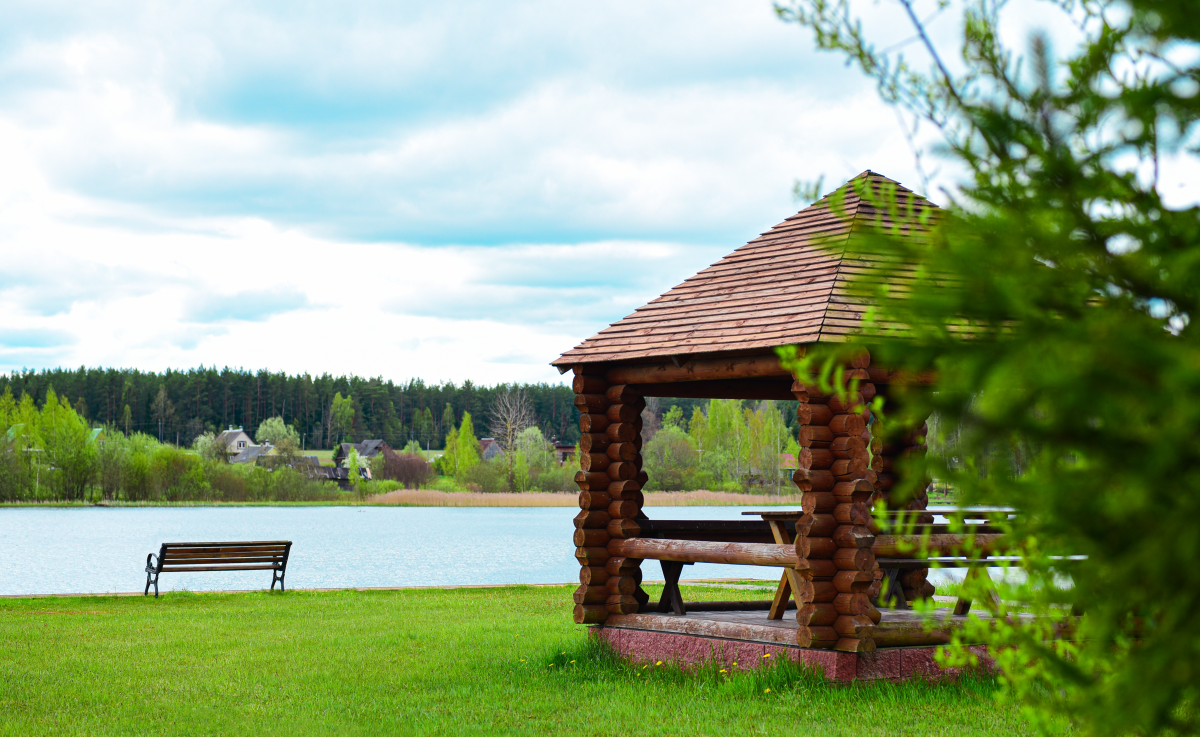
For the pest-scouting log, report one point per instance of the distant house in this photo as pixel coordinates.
(563, 451)
(490, 448)
(251, 453)
(96, 436)
(235, 441)
(366, 449)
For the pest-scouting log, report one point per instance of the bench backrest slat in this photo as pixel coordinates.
(232, 554)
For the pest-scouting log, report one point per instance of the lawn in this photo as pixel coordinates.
(427, 661)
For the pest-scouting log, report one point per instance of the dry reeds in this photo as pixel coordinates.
(431, 498)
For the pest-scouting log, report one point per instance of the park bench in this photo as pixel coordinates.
(228, 556)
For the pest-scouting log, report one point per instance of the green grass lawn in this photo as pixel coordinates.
(461, 661)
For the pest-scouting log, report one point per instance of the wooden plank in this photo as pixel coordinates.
(728, 389)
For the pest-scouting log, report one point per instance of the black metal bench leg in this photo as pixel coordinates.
(277, 576)
(147, 590)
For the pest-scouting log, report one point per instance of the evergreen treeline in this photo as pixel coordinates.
(177, 406)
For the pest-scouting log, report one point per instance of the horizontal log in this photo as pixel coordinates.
(889, 546)
(593, 442)
(858, 490)
(594, 500)
(622, 432)
(624, 412)
(850, 425)
(856, 604)
(818, 502)
(855, 645)
(592, 556)
(693, 551)
(815, 436)
(814, 414)
(698, 370)
(854, 513)
(853, 582)
(590, 594)
(593, 576)
(625, 508)
(854, 625)
(818, 637)
(853, 536)
(622, 566)
(624, 528)
(589, 538)
(622, 394)
(822, 525)
(621, 585)
(815, 480)
(594, 461)
(847, 447)
(815, 547)
(592, 403)
(770, 388)
(591, 518)
(854, 559)
(839, 405)
(914, 633)
(621, 605)
(814, 458)
(816, 615)
(626, 489)
(622, 452)
(849, 467)
(582, 384)
(622, 471)
(590, 613)
(823, 592)
(593, 422)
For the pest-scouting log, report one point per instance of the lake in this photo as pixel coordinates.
(103, 550)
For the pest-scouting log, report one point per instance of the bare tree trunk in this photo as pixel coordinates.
(510, 414)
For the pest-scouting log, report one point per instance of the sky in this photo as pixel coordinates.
(446, 191)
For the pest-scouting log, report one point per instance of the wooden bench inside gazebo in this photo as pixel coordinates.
(714, 336)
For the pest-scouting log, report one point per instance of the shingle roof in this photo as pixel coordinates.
(782, 288)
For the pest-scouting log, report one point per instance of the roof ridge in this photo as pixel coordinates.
(841, 257)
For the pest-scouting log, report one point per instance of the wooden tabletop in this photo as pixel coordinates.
(774, 514)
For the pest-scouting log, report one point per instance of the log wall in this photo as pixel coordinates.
(889, 460)
(836, 481)
(610, 481)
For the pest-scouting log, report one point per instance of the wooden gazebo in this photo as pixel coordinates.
(714, 336)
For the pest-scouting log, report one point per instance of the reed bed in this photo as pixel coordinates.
(432, 498)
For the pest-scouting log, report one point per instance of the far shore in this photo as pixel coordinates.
(434, 498)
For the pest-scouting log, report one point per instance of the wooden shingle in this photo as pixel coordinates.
(786, 287)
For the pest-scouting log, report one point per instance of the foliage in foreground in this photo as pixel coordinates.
(1054, 301)
(466, 661)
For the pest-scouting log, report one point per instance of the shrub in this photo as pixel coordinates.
(490, 477)
(409, 469)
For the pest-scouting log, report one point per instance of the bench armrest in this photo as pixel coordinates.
(151, 563)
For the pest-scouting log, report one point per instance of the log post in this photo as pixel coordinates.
(814, 478)
(835, 477)
(625, 481)
(591, 524)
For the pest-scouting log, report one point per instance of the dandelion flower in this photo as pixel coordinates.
(767, 690)
(724, 671)
(659, 663)
(735, 662)
(767, 655)
(572, 661)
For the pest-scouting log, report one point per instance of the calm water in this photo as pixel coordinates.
(51, 551)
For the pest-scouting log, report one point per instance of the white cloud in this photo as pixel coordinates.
(450, 192)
